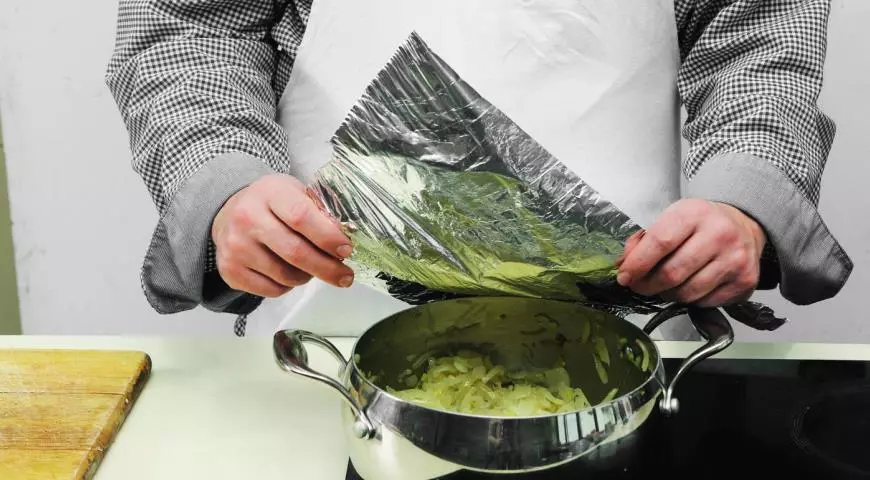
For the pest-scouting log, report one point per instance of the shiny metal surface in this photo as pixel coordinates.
(712, 325)
(290, 353)
(443, 195)
(599, 350)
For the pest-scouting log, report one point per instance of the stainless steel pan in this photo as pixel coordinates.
(392, 438)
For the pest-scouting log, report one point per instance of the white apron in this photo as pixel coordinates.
(593, 81)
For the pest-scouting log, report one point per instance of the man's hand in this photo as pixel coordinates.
(697, 252)
(270, 237)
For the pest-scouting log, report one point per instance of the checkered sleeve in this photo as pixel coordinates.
(750, 75)
(195, 83)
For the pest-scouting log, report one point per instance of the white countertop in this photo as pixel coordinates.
(220, 408)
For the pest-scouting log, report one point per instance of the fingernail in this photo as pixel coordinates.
(623, 278)
(345, 251)
(345, 282)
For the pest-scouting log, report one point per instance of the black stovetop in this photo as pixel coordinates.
(790, 419)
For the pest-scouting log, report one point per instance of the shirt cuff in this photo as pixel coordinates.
(174, 274)
(812, 264)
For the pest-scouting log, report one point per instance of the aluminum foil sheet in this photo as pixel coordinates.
(444, 196)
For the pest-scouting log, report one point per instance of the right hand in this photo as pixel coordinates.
(271, 237)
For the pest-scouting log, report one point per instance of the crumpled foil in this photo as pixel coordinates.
(445, 196)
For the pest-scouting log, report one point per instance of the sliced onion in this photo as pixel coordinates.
(470, 383)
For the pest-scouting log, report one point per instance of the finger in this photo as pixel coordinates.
(265, 262)
(692, 256)
(737, 290)
(629, 245)
(664, 237)
(736, 267)
(722, 296)
(298, 252)
(247, 280)
(706, 280)
(299, 213)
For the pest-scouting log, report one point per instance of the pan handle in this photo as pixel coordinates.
(290, 353)
(711, 324)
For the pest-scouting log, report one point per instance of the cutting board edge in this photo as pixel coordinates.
(113, 428)
(31, 348)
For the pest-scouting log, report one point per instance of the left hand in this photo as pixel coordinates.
(699, 252)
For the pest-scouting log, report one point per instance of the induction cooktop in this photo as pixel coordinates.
(748, 418)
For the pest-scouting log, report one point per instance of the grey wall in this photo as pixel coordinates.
(9, 320)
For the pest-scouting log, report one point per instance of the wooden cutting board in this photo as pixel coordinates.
(61, 409)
